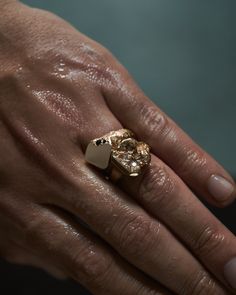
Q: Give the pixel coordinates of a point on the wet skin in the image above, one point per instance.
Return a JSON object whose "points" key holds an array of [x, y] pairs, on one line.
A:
{"points": [[145, 235]]}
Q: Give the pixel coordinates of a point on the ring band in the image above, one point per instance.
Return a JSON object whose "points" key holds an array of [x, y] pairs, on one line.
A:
{"points": [[118, 151]]}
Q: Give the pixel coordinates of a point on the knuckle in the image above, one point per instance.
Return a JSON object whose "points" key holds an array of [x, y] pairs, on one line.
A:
{"points": [[93, 66], [41, 233], [208, 241], [91, 54], [96, 65], [138, 235], [32, 226], [192, 161], [201, 284], [156, 186], [156, 121], [91, 266], [99, 74]]}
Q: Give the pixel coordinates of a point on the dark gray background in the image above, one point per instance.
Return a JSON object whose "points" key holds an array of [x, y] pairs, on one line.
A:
{"points": [[183, 55]]}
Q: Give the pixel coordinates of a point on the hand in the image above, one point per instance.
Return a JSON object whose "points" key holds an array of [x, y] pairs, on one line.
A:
{"points": [[149, 235]]}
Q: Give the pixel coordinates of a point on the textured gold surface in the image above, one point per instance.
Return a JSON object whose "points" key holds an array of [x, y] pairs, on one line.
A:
{"points": [[121, 149]]}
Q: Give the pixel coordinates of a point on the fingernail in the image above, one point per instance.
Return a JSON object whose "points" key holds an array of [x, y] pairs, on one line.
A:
{"points": [[220, 188], [230, 272]]}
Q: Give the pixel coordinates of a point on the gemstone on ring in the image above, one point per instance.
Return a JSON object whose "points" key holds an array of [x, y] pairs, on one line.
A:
{"points": [[121, 150]]}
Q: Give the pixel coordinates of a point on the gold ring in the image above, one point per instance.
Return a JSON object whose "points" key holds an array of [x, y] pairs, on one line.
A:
{"points": [[118, 153]]}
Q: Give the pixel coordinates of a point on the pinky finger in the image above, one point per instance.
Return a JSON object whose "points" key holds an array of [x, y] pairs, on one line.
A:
{"points": [[21, 256], [84, 257]]}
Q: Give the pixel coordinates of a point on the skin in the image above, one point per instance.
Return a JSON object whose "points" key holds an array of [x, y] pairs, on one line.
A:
{"points": [[58, 90]]}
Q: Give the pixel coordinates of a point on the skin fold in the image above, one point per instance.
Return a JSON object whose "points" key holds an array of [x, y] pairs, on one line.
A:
{"points": [[58, 90]]}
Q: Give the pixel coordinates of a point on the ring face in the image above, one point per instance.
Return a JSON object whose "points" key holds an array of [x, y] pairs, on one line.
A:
{"points": [[121, 150]]}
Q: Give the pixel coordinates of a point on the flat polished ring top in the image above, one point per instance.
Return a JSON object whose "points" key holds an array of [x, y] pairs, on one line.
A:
{"points": [[119, 150]]}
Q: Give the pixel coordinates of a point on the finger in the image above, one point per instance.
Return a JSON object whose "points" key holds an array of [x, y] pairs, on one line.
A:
{"points": [[17, 255], [199, 170], [13, 252], [162, 193], [140, 239], [81, 255]]}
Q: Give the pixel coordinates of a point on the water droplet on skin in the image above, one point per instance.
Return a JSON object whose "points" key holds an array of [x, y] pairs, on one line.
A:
{"points": [[92, 252]]}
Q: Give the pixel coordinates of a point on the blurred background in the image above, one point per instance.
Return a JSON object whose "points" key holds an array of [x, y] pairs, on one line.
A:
{"points": [[183, 55]]}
